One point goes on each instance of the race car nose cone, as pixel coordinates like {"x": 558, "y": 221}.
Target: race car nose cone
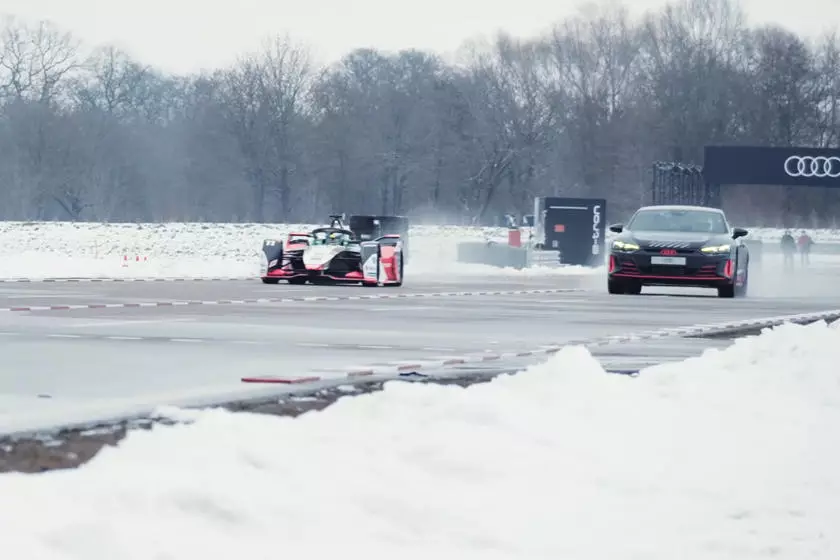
{"x": 317, "y": 257}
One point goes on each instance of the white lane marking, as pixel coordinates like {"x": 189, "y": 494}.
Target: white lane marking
{"x": 185, "y": 340}
{"x": 109, "y": 323}
{"x": 393, "y": 308}
{"x": 246, "y": 342}
{"x": 438, "y": 349}
{"x": 556, "y": 300}
{"x": 64, "y": 336}
{"x": 374, "y": 347}
{"x": 124, "y": 338}
{"x": 34, "y": 295}
{"x": 9, "y": 333}
{"x": 285, "y": 290}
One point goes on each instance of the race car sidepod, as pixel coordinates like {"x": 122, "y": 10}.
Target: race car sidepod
{"x": 370, "y": 228}
{"x": 382, "y": 261}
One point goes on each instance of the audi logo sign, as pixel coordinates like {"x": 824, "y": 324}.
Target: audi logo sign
{"x": 810, "y": 166}
{"x": 670, "y": 252}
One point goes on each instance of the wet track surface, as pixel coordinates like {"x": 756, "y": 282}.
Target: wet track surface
{"x": 67, "y": 357}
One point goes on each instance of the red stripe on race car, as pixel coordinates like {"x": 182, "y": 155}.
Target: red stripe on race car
{"x": 387, "y": 251}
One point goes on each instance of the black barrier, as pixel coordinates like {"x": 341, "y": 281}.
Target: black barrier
{"x": 574, "y": 226}
{"x": 492, "y": 254}
{"x": 371, "y": 227}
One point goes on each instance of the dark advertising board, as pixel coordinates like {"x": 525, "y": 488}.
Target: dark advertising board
{"x": 371, "y": 227}
{"x": 574, "y": 226}
{"x": 761, "y": 165}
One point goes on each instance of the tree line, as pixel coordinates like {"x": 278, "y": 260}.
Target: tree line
{"x": 583, "y": 110}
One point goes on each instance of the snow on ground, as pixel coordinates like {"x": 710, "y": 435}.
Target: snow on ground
{"x": 197, "y": 250}
{"x": 732, "y": 455}
{"x": 774, "y": 235}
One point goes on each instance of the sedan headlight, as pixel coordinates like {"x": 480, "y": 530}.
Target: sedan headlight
{"x": 716, "y": 249}
{"x": 624, "y": 246}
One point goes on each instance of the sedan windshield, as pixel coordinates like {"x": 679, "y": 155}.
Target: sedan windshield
{"x": 690, "y": 221}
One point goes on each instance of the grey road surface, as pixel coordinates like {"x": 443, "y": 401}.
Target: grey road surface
{"x": 52, "y": 359}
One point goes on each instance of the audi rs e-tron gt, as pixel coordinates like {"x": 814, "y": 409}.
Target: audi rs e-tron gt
{"x": 689, "y": 246}
{"x": 333, "y": 255}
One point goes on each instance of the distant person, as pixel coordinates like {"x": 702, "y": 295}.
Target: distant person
{"x": 805, "y": 242}
{"x": 788, "y": 249}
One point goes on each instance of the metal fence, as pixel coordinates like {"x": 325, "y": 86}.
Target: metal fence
{"x": 680, "y": 183}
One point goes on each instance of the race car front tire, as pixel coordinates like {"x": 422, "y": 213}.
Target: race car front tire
{"x": 270, "y": 280}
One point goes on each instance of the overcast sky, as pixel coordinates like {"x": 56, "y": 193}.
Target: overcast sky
{"x": 187, "y": 35}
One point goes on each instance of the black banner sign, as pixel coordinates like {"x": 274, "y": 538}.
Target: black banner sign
{"x": 754, "y": 165}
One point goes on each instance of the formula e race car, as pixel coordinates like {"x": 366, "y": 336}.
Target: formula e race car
{"x": 690, "y": 246}
{"x": 332, "y": 255}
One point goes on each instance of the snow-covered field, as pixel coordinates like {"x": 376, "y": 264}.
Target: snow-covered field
{"x": 775, "y": 234}
{"x": 732, "y": 455}
{"x": 195, "y": 250}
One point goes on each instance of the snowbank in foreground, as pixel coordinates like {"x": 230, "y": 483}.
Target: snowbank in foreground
{"x": 193, "y": 250}
{"x": 732, "y": 455}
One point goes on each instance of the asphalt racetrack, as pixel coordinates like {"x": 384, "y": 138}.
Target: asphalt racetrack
{"x": 73, "y": 357}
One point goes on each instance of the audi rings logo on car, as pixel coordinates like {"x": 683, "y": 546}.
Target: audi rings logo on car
{"x": 813, "y": 166}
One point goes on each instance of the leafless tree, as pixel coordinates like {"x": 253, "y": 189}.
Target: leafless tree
{"x": 581, "y": 110}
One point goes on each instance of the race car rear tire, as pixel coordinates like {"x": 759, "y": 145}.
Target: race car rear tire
{"x": 270, "y": 280}
{"x": 402, "y": 267}
{"x": 297, "y": 280}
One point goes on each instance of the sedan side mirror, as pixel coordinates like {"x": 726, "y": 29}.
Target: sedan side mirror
{"x": 739, "y": 232}
{"x": 617, "y": 228}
